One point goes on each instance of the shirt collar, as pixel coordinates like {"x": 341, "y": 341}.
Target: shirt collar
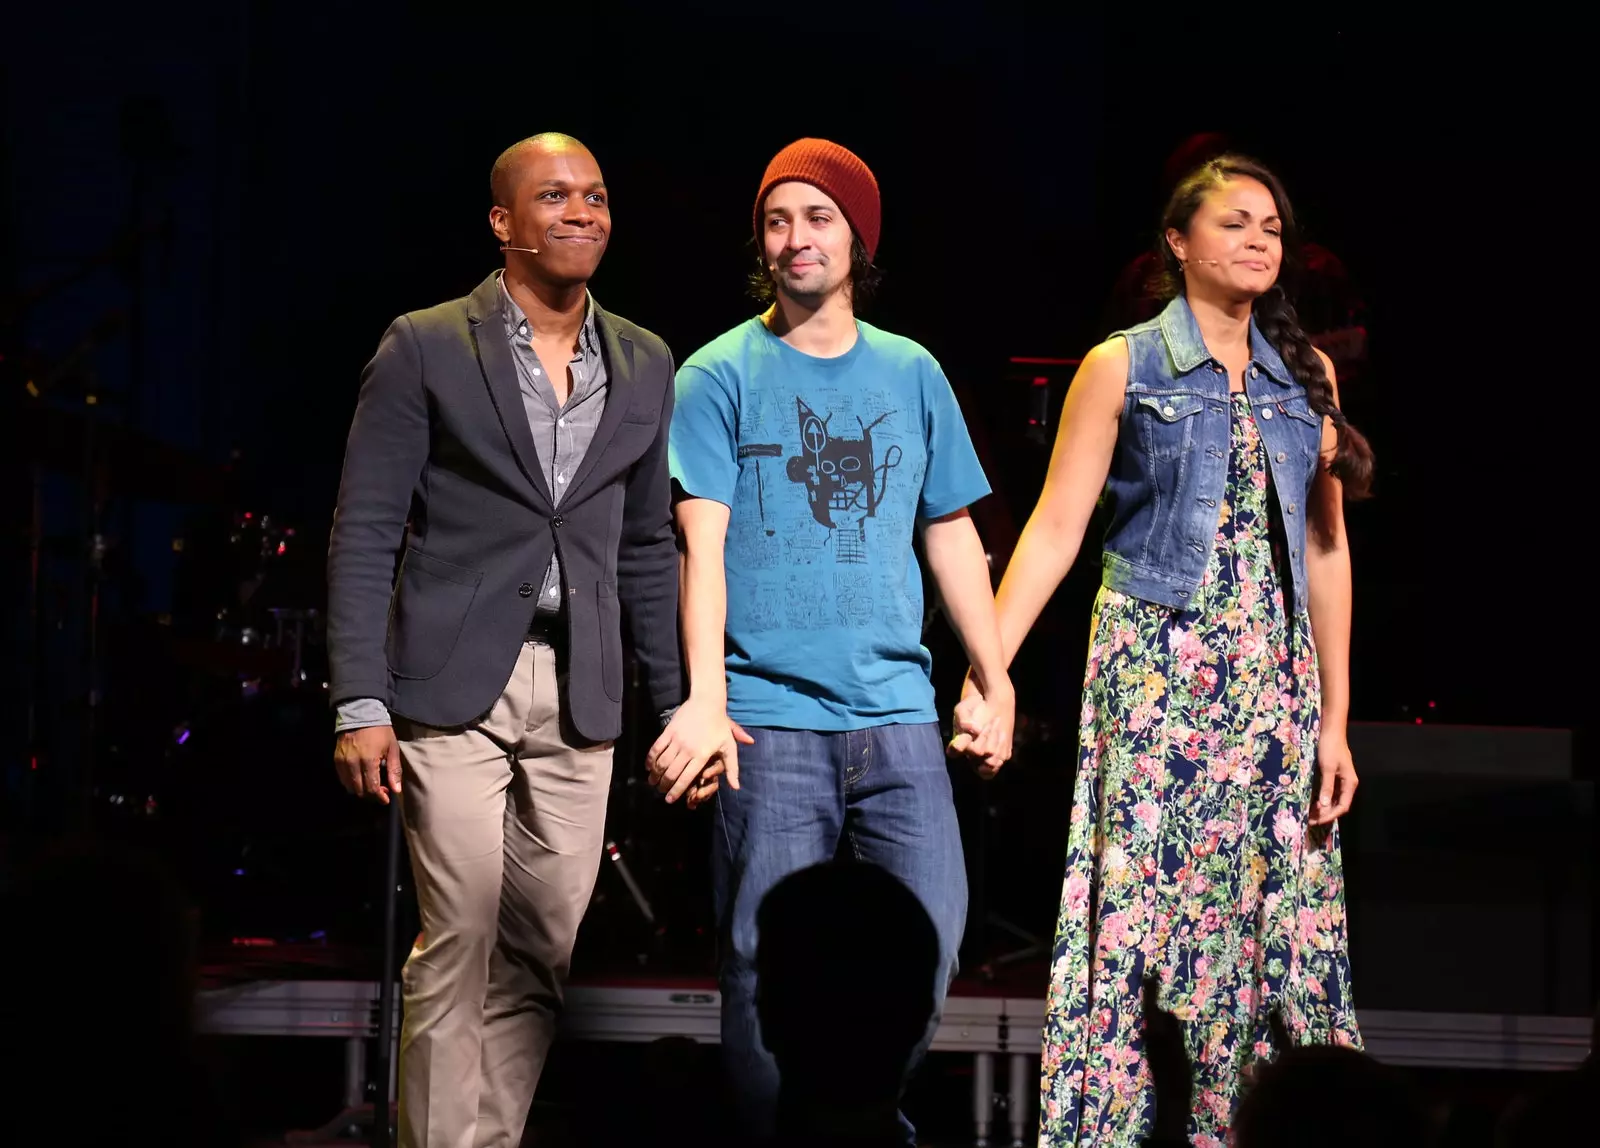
{"x": 514, "y": 317}
{"x": 1188, "y": 347}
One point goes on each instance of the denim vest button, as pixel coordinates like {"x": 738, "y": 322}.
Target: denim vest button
{"x": 1168, "y": 411}
{"x": 1282, "y": 457}
{"x": 1291, "y": 508}
{"x": 1254, "y": 372}
{"x": 1266, "y": 412}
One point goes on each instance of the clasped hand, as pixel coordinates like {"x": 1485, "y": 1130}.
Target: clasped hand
{"x": 698, "y": 747}
{"x": 984, "y": 719}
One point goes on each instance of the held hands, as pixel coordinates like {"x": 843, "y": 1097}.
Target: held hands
{"x": 361, "y": 757}
{"x": 1338, "y": 781}
{"x": 983, "y": 723}
{"x": 699, "y": 744}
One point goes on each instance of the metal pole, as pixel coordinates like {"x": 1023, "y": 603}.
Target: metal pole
{"x": 381, "y": 1132}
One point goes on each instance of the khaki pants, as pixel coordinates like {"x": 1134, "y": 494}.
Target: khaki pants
{"x": 505, "y": 821}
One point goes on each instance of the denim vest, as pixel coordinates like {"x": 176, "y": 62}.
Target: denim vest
{"x": 1171, "y": 461}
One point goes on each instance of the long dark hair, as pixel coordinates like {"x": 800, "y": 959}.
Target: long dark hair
{"x": 864, "y": 275}
{"x": 1274, "y": 312}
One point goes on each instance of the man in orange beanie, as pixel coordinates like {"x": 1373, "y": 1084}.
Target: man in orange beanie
{"x": 806, "y": 449}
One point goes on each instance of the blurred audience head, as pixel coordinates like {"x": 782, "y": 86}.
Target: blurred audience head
{"x": 1328, "y": 1096}
{"x": 846, "y": 964}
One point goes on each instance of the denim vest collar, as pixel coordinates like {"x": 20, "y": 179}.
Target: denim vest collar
{"x": 1188, "y": 347}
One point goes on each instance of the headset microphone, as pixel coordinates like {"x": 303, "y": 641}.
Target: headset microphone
{"x": 529, "y": 250}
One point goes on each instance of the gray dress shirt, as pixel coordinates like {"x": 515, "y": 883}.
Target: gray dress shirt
{"x": 561, "y": 434}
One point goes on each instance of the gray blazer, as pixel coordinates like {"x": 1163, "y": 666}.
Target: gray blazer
{"x": 445, "y": 526}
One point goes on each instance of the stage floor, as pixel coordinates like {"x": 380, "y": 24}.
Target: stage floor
{"x": 990, "y": 1022}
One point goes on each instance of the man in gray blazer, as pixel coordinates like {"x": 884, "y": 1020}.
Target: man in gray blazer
{"x": 509, "y": 456}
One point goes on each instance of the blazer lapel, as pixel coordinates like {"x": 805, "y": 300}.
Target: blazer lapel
{"x": 494, "y": 357}
{"x": 618, "y": 350}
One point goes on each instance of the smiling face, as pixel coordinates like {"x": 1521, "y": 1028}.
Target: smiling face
{"x": 1233, "y": 244}
{"x": 806, "y": 242}
{"x": 559, "y": 207}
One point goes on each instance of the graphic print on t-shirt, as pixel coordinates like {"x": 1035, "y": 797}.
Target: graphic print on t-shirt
{"x": 815, "y": 465}
{"x": 843, "y": 483}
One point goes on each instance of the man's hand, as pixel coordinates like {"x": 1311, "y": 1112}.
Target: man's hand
{"x": 361, "y": 757}
{"x": 706, "y": 787}
{"x": 699, "y": 738}
{"x": 983, "y": 724}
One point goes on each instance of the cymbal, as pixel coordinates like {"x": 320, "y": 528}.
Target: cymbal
{"x": 132, "y": 463}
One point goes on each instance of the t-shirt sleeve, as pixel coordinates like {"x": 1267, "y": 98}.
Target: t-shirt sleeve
{"x": 703, "y": 442}
{"x": 954, "y": 478}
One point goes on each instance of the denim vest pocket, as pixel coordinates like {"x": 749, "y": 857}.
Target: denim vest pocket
{"x": 1167, "y": 424}
{"x": 1299, "y": 409}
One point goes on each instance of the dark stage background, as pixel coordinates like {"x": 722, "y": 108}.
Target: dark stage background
{"x": 299, "y": 174}
{"x": 211, "y": 213}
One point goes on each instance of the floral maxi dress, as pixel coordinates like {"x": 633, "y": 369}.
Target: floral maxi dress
{"x": 1190, "y": 856}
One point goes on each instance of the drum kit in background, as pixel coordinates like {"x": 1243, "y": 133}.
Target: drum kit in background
{"x": 198, "y": 728}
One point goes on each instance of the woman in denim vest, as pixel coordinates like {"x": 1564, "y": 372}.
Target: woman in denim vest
{"x": 1212, "y": 764}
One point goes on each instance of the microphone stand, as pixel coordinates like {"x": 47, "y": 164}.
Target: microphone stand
{"x": 382, "y": 1129}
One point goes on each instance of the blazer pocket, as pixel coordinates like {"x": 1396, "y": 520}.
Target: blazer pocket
{"x": 608, "y": 615}
{"x": 431, "y": 605}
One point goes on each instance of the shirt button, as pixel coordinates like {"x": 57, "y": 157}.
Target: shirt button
{"x": 558, "y": 522}
{"x": 522, "y": 330}
{"x": 1282, "y": 457}
{"x": 1266, "y": 412}
{"x": 536, "y": 370}
{"x": 561, "y": 422}
{"x": 561, "y": 478}
{"x": 555, "y": 591}
{"x": 526, "y": 590}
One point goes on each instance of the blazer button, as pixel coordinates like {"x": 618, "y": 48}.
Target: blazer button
{"x": 526, "y": 589}
{"x": 558, "y": 522}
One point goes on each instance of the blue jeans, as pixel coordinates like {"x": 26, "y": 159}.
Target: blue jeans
{"x": 882, "y": 794}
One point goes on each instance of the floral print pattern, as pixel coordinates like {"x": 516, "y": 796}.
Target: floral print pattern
{"x": 1189, "y": 855}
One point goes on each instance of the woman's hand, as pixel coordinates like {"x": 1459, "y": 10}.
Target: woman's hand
{"x": 1337, "y": 788}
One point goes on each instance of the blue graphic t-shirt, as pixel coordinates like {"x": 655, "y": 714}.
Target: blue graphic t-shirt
{"x": 826, "y": 465}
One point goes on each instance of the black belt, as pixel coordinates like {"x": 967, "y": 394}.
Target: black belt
{"x": 548, "y": 629}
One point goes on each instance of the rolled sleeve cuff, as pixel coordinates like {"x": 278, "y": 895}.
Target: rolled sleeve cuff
{"x": 360, "y": 713}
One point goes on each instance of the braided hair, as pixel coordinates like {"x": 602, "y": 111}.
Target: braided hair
{"x": 1274, "y": 312}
